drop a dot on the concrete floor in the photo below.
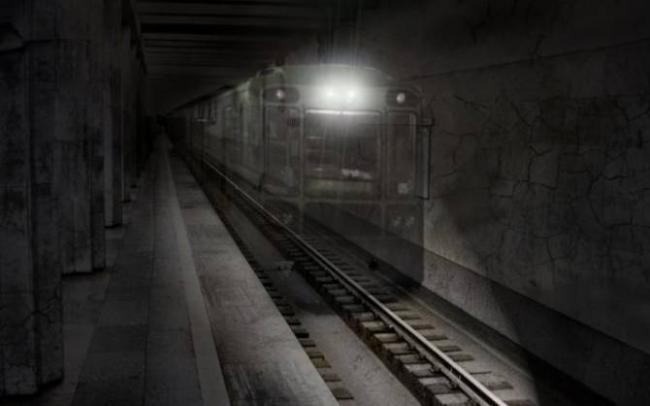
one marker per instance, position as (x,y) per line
(140,332)
(263,363)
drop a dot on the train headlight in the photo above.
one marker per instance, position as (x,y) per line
(351,95)
(401,98)
(281,95)
(329,93)
(340,95)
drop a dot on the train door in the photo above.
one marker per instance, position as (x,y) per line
(244,122)
(254,148)
(282,150)
(212,130)
(196,128)
(233,138)
(403,214)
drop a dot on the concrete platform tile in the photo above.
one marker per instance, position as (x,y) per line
(82,313)
(265,383)
(176,342)
(262,361)
(135,272)
(125,282)
(76,344)
(166,271)
(119,394)
(109,368)
(167,309)
(129,311)
(119,339)
(172,380)
(163,395)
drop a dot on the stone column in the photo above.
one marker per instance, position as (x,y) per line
(143,125)
(95,124)
(113,148)
(30,277)
(79,118)
(127,112)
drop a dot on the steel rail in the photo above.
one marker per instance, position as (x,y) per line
(459,377)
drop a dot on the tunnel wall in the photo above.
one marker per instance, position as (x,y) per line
(62,135)
(538,219)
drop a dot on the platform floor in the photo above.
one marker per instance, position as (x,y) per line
(178,317)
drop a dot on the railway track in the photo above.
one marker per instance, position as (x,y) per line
(422,358)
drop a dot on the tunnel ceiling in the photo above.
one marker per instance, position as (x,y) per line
(225,40)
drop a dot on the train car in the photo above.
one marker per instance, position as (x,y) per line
(341,146)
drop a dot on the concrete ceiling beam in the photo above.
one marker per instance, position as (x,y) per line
(177,38)
(234,75)
(258,31)
(205,61)
(233,21)
(303,10)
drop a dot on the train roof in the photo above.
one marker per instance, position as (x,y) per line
(316,74)
(201,98)
(305,75)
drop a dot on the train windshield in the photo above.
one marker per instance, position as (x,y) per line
(341,155)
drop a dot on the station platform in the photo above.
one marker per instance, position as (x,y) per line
(178,317)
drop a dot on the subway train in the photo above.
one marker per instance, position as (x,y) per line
(342,147)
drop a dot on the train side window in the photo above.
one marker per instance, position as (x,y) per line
(224,122)
(242,123)
(213,111)
(232,123)
(423,165)
(236,124)
(401,155)
(233,145)
(227,122)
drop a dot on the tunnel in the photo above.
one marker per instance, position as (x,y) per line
(320,202)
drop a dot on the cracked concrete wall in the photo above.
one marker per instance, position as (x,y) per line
(538,223)
(60,115)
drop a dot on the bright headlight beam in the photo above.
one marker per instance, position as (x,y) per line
(340,93)
(329,92)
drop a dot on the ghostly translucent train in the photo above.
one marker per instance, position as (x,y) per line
(339,145)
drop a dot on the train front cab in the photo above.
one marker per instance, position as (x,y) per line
(359,171)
